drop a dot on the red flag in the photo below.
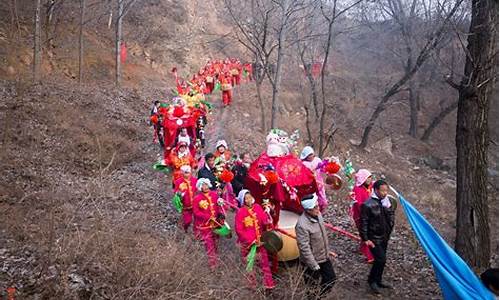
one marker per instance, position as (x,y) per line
(123,53)
(316,69)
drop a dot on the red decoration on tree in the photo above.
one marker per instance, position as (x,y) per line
(316,69)
(271,176)
(332,167)
(178,112)
(123,53)
(226,176)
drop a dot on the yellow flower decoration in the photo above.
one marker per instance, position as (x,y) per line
(183,186)
(203,204)
(248,221)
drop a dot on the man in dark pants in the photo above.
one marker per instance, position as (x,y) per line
(312,240)
(377,222)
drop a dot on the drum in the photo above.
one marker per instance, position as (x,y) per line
(290,250)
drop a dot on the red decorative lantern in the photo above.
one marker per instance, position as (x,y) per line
(178,112)
(271,176)
(226,176)
(332,167)
(162,111)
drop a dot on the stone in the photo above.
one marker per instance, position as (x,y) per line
(384,145)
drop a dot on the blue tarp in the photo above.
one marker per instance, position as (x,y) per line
(456,279)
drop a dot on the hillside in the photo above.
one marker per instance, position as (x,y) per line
(86,217)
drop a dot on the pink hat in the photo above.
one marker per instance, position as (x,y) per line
(361,176)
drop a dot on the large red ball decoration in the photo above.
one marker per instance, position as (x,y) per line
(271,176)
(178,112)
(332,167)
(226,176)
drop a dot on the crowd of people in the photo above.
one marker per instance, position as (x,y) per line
(207,188)
(215,75)
(207,196)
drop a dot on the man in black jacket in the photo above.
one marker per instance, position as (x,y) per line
(377,221)
(208,170)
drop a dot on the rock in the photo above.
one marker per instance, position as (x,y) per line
(11,70)
(384,145)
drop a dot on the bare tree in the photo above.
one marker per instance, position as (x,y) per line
(433,41)
(472,240)
(252,21)
(80,39)
(37,55)
(122,9)
(329,12)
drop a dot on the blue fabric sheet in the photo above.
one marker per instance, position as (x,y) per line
(456,279)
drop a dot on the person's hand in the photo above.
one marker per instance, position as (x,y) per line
(220,202)
(316,268)
(332,254)
(370,244)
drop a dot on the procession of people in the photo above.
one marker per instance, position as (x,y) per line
(210,181)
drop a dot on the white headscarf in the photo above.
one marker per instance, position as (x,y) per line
(308,150)
(202,181)
(241,196)
(310,203)
(221,143)
(185,169)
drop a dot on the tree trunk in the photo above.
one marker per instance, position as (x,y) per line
(323,94)
(277,79)
(437,120)
(119,16)
(48,19)
(37,57)
(258,85)
(472,240)
(80,55)
(413,98)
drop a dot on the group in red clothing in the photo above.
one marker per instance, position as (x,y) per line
(215,75)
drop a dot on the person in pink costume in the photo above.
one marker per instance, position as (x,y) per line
(312,162)
(250,222)
(208,214)
(186,186)
(361,192)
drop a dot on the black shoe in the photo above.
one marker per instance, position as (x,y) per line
(374,288)
(384,286)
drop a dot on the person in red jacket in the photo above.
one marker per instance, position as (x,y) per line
(225,81)
(250,222)
(208,215)
(362,192)
(186,186)
(180,157)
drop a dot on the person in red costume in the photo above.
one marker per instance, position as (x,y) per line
(362,192)
(208,214)
(225,81)
(248,69)
(235,71)
(186,186)
(180,157)
(250,222)
(222,151)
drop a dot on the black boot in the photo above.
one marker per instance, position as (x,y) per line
(374,288)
